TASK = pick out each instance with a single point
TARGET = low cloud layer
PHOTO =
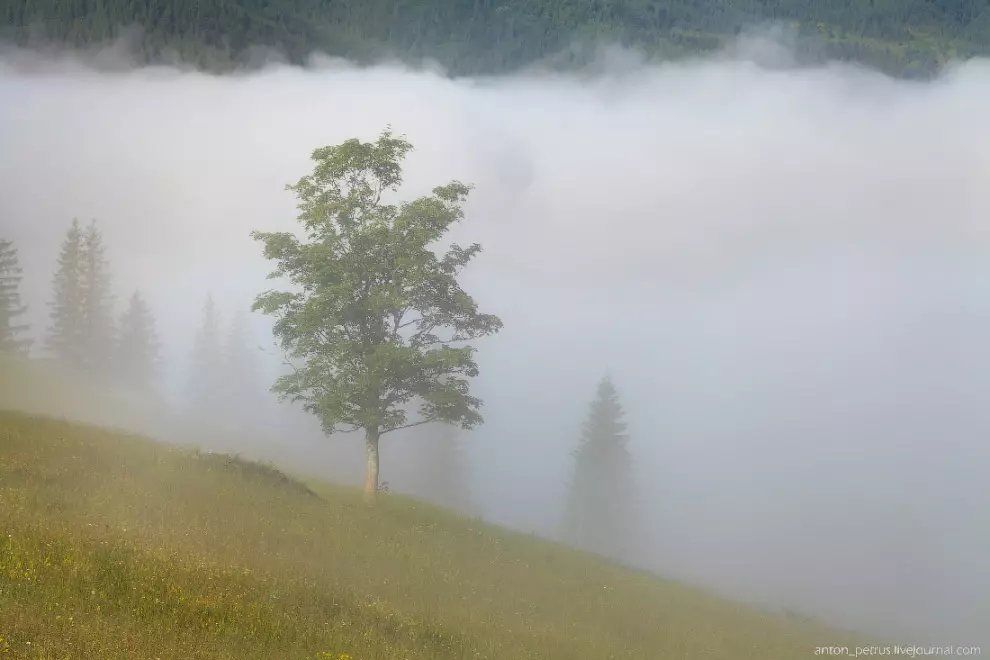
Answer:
(784, 269)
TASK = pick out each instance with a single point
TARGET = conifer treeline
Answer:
(906, 37)
(85, 337)
(222, 382)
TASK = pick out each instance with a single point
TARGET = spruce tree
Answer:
(65, 340)
(205, 387)
(137, 347)
(440, 468)
(242, 390)
(11, 340)
(599, 499)
(96, 304)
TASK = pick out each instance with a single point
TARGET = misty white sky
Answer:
(785, 270)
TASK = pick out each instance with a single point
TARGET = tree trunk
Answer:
(371, 436)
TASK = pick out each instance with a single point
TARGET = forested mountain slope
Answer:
(903, 37)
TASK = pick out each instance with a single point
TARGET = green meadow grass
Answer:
(115, 546)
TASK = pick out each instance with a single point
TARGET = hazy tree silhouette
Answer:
(11, 332)
(65, 339)
(243, 392)
(96, 304)
(601, 491)
(137, 347)
(438, 467)
(205, 374)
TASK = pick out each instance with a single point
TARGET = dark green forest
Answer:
(907, 38)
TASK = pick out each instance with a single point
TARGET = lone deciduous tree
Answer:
(376, 312)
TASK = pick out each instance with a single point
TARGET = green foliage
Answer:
(600, 494)
(375, 311)
(137, 347)
(11, 340)
(112, 546)
(904, 37)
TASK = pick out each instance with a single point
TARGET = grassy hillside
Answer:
(43, 387)
(905, 37)
(114, 546)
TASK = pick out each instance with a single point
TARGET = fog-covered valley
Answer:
(784, 271)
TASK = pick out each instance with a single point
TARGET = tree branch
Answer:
(396, 320)
(439, 340)
(409, 323)
(408, 426)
